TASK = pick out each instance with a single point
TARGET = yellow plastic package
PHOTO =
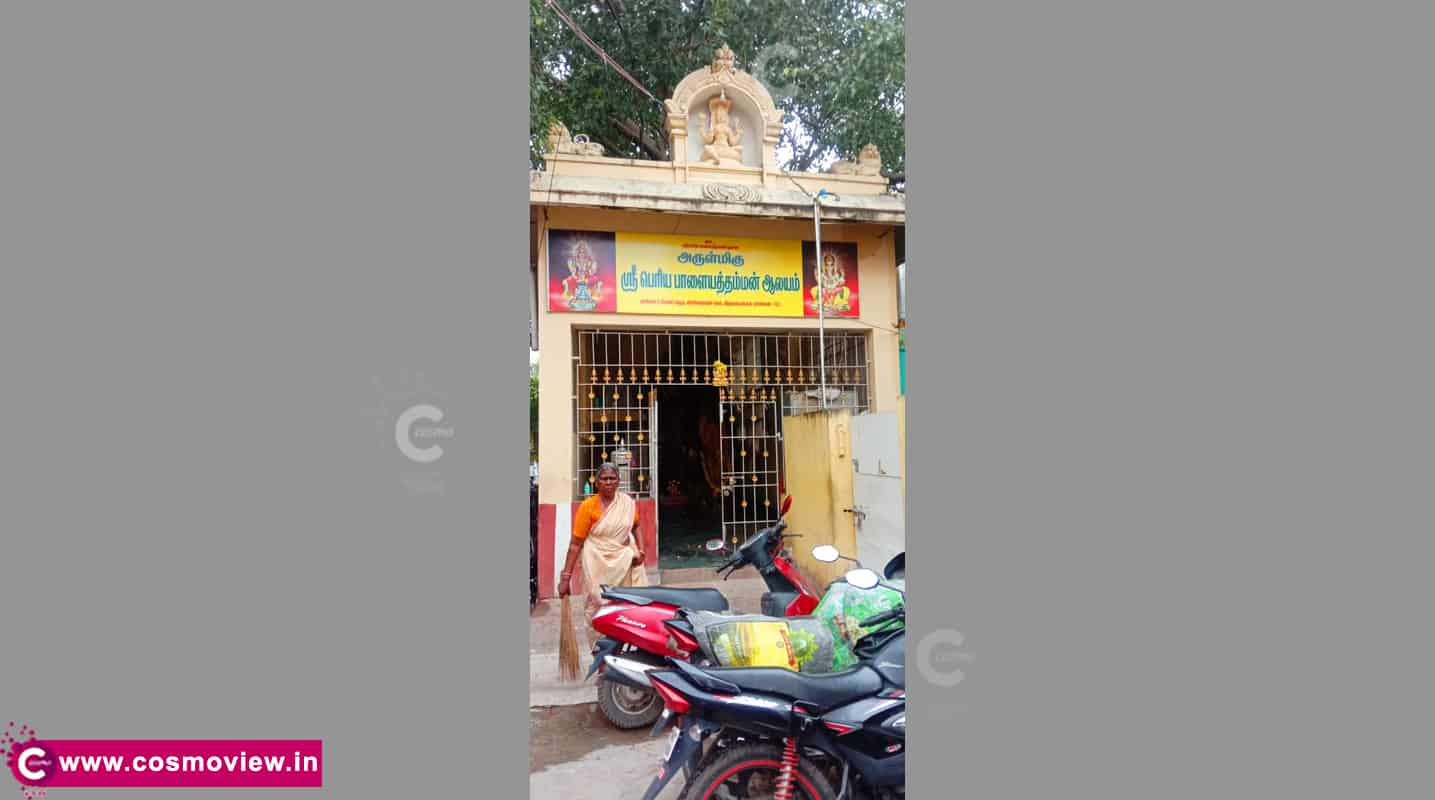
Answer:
(755, 644)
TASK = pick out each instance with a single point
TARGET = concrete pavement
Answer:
(611, 773)
(574, 753)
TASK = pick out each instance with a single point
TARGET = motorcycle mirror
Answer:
(786, 504)
(863, 578)
(713, 545)
(825, 553)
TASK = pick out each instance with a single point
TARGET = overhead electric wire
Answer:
(596, 48)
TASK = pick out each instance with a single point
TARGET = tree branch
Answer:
(630, 128)
(697, 16)
(636, 133)
(641, 137)
(801, 162)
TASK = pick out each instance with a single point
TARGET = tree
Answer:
(836, 68)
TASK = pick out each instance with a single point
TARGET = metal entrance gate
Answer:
(617, 375)
(751, 428)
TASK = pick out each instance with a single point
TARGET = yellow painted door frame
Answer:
(818, 449)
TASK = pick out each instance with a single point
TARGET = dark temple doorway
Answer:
(689, 475)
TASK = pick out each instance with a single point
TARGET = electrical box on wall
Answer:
(623, 460)
(806, 401)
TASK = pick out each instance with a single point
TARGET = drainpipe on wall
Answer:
(821, 300)
(902, 323)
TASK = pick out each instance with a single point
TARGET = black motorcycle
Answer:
(747, 732)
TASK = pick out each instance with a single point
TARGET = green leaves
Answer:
(841, 66)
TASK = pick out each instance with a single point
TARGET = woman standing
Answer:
(605, 537)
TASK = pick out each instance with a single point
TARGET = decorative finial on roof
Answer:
(723, 59)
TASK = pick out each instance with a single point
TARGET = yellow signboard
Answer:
(708, 276)
(604, 272)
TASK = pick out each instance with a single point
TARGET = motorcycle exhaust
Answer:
(629, 672)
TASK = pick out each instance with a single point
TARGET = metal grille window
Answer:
(615, 408)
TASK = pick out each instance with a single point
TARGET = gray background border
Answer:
(1171, 429)
(238, 239)
(1176, 439)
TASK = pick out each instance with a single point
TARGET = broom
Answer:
(568, 667)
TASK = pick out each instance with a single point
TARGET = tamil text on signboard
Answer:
(638, 273)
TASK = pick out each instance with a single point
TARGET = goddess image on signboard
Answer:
(836, 297)
(833, 282)
(581, 272)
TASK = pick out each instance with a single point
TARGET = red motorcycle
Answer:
(641, 626)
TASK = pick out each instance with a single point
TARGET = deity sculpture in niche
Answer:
(722, 132)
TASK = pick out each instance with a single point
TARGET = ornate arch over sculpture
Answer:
(728, 113)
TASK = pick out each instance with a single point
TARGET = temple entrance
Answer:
(689, 474)
(704, 443)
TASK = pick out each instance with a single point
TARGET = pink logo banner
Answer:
(164, 763)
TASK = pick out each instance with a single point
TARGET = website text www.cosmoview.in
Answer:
(163, 763)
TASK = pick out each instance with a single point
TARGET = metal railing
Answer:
(615, 373)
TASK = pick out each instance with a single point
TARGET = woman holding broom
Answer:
(605, 538)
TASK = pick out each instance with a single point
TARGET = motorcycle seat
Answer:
(699, 599)
(824, 692)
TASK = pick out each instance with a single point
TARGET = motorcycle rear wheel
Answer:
(750, 771)
(628, 707)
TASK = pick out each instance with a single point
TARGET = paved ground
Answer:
(573, 752)
(612, 772)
